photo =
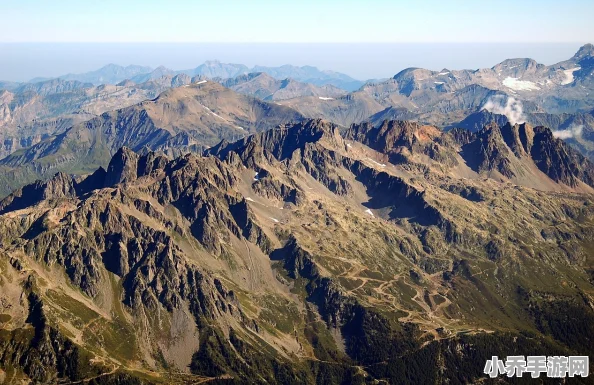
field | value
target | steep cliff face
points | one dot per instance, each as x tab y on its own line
298	255
402	140
521	153
558	160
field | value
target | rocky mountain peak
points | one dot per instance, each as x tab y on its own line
587	50
518	137
489	152
511	148
478	120
414	73
122	167
520	63
180	80
393	133
60	186
400	139
558	160
282	141
183	236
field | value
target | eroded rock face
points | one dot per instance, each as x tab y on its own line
122	168
394	137
489	152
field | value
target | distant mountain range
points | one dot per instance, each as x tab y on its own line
109	74
113	74
266	87
447	96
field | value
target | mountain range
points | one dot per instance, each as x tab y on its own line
32	112
113	74
396	253
40	119
266	87
187	118
445	97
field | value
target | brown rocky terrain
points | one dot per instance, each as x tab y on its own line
388	253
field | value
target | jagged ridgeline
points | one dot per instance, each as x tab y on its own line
392	253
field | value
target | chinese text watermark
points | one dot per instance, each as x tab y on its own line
551	366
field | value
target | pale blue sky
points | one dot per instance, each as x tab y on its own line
296	21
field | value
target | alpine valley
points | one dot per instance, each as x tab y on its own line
287	225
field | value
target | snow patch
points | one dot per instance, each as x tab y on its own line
201	82
213	114
520	85
249	199
439	83
274	219
569	75
368	211
325	98
443	73
379	164
349	145
256	177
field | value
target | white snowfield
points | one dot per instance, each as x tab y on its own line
274	219
520	85
213	114
325	98
569	75
443	73
379	164
201	82
368	211
438	83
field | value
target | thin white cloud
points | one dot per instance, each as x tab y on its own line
510	107
572	131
